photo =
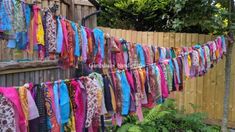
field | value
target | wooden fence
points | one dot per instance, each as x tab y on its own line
72	10
205	92
19	73
14	73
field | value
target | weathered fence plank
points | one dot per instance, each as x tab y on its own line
199	81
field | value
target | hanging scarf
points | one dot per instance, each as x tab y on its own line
19	18
64	56
50	108
77	101
99	43
6	15
77	40
71	45
59	36
84	44
51	34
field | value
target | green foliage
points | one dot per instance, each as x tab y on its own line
166	118
201	16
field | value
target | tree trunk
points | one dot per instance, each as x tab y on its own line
227	85
228	68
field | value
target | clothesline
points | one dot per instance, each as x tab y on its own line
48	82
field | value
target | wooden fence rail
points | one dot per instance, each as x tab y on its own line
205	92
36	75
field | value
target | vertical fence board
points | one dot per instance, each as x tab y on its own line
219	89
41	75
52	74
21	78
94	18
118	33
172	39
155	38
15	79
123	34
128	35
144	38
193	88
232	90
113	32
171	43
199	81
56	74
79	13
134	36
166	39
187	87
150	38
32	78
86	12
177	40
67	74
139	37
182	94
26	76
36	76
72	73
213	87
63	9
9	80
61	73
3	80
220	80
44	76
90	19
160	39
207	91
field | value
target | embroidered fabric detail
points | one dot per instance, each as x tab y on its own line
7	115
51	32
92	107
19	18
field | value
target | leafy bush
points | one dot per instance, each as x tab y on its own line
166	118
198	16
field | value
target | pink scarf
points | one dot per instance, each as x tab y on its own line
163	83
12	94
79	111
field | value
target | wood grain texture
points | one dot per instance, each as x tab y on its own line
199	82
187	88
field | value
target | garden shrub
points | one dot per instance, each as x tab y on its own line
166	118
